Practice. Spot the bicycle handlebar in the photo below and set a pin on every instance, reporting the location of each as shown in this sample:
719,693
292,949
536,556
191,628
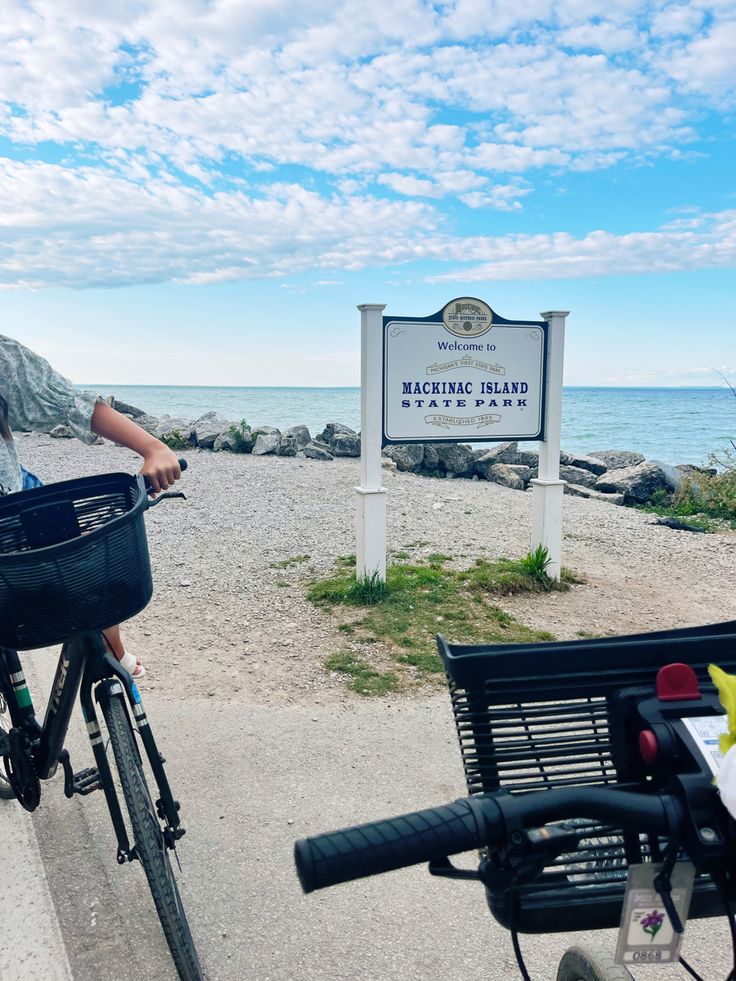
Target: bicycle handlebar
467,824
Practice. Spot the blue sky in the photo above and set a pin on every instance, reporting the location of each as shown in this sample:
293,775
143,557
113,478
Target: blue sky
201,192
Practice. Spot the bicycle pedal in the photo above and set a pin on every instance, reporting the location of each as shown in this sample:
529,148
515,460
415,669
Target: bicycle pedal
86,781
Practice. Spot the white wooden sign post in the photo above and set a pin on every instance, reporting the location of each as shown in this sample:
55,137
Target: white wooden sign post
548,488
370,549
464,374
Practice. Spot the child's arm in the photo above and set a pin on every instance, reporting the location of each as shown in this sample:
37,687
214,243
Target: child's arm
160,466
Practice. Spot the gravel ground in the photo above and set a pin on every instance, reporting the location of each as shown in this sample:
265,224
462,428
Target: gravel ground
228,621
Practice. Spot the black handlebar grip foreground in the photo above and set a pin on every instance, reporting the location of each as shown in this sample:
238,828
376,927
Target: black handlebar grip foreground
382,846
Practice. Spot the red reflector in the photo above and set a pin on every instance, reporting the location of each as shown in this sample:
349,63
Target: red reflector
648,747
677,682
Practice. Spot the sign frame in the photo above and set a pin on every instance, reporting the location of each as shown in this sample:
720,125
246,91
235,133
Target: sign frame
436,320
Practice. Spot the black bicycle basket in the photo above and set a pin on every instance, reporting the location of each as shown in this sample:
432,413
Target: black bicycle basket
532,717
73,558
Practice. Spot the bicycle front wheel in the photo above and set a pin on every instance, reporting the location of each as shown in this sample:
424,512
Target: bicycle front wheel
586,963
6,791
149,842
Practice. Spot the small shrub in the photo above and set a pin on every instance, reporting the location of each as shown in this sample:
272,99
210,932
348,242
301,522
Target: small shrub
175,440
535,564
242,443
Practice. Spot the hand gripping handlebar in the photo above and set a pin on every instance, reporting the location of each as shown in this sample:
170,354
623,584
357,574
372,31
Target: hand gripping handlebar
470,823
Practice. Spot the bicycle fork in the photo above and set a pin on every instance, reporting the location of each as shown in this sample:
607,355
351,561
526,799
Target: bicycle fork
167,808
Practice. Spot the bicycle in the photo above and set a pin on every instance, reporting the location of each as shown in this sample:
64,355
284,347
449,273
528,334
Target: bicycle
74,560
596,772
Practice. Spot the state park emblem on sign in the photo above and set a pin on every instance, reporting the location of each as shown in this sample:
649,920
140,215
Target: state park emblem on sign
467,317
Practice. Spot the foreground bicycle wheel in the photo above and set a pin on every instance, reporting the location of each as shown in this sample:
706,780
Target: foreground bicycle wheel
591,963
6,791
149,843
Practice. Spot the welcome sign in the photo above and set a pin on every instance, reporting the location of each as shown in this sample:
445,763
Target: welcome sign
463,374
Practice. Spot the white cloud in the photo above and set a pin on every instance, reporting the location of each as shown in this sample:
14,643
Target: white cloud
94,228
188,118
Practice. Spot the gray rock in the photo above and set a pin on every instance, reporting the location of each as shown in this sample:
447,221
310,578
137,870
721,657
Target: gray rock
528,458
288,446
455,458
149,423
637,483
500,453
125,408
501,473
689,470
208,427
225,441
317,451
672,475
431,461
526,473
301,434
265,431
173,424
61,432
406,456
266,443
576,475
345,444
331,430
616,459
577,490
583,462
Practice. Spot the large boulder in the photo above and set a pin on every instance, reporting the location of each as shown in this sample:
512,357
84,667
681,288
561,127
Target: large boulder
208,427
301,435
672,475
169,426
455,458
331,430
638,484
226,441
288,445
616,459
501,473
345,444
406,456
577,490
583,462
577,475
265,431
317,451
266,443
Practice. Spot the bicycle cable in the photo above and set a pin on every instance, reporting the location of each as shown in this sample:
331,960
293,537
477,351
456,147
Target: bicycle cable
525,976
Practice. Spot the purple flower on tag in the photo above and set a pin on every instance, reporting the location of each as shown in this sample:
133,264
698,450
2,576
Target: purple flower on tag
651,923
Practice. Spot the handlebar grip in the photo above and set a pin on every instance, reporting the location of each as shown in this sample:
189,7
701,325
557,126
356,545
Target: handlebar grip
382,846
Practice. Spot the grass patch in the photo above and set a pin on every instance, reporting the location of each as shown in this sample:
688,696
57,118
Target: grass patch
419,600
363,678
286,563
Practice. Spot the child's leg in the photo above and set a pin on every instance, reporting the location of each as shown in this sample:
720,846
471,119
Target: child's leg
115,645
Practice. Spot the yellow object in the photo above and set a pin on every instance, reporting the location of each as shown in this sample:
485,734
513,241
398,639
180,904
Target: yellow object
726,685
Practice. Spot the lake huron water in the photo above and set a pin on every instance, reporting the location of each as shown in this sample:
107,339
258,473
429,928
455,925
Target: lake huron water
678,425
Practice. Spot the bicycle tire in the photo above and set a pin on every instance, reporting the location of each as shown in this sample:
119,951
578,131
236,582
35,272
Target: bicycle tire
149,843
6,791
591,963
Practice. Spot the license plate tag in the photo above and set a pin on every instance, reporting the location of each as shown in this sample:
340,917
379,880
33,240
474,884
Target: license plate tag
646,935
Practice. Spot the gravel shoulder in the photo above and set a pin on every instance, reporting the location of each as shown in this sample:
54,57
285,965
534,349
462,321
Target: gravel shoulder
231,622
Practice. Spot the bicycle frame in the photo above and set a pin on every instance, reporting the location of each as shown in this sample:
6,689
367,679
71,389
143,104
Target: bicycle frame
85,668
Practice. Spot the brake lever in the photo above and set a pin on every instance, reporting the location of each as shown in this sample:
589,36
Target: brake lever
164,496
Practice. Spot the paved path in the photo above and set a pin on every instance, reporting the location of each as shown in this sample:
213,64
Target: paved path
251,780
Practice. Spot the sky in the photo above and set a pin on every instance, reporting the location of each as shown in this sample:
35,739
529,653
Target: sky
198,192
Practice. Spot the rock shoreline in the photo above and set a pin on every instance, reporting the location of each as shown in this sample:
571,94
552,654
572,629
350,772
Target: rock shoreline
616,476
